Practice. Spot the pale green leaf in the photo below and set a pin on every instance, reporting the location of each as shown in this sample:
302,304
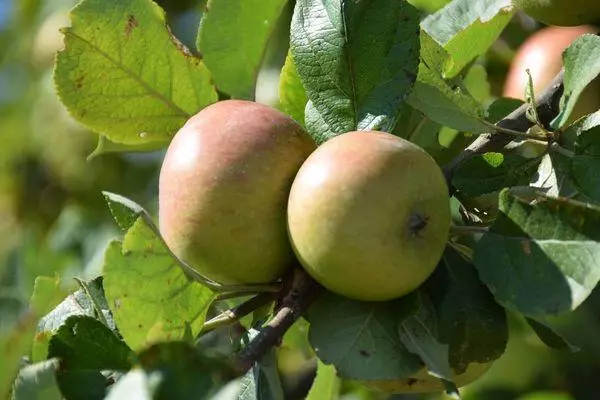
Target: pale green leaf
292,96
326,385
233,37
123,75
150,296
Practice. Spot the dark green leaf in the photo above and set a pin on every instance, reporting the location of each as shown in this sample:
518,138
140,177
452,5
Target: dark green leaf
549,336
123,74
467,28
262,382
582,65
357,62
541,258
86,348
233,37
361,339
501,107
469,319
175,370
586,163
491,172
124,211
419,334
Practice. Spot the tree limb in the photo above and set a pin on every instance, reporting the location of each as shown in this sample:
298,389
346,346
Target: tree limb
296,301
547,106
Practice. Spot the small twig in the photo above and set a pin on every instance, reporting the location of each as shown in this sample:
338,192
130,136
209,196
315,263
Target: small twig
235,314
303,292
462,230
561,150
547,107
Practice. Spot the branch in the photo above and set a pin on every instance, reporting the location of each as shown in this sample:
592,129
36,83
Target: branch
235,314
547,106
302,293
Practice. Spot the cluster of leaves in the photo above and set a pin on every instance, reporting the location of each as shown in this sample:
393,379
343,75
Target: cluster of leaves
351,66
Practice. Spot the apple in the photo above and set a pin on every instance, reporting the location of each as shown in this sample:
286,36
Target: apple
369,215
561,12
223,191
422,382
541,53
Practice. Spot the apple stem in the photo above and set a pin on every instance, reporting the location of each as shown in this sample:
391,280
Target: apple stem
228,317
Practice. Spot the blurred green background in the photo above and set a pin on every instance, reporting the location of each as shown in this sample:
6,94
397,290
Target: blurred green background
53,220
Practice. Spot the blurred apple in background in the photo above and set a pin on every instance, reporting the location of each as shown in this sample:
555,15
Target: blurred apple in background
541,53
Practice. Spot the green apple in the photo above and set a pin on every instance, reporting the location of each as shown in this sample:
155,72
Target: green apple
368,215
422,382
223,191
561,12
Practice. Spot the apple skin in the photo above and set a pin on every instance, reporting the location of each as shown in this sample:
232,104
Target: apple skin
542,54
561,12
223,191
422,382
369,215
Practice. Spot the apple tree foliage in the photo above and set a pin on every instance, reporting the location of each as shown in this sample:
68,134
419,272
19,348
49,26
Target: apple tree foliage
141,328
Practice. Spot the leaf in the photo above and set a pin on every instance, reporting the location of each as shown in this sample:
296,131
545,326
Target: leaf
233,37
134,385
87,349
586,162
37,381
292,96
466,29
105,146
150,296
549,336
469,320
175,370
326,385
554,177
582,65
418,332
454,108
124,211
262,381
357,61
360,339
123,74
490,172
543,258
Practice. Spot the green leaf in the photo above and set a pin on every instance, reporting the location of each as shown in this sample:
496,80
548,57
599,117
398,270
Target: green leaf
262,381
233,37
360,339
106,146
326,385
419,333
125,212
86,348
37,381
175,370
476,82
123,75
450,107
466,29
586,162
543,258
357,61
490,172
582,65
148,293
469,320
292,96
549,336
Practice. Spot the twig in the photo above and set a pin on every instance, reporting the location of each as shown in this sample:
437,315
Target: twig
235,314
547,107
302,293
